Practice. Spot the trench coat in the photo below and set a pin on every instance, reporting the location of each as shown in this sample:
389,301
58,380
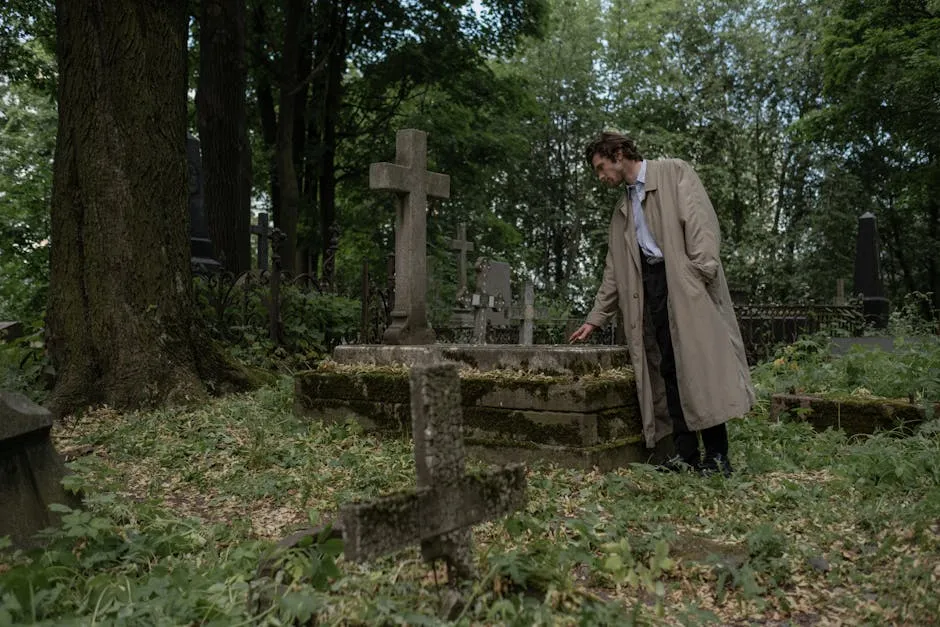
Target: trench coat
714,379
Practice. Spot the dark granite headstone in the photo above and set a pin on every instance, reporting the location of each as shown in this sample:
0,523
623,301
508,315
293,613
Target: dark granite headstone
30,470
868,272
201,256
10,330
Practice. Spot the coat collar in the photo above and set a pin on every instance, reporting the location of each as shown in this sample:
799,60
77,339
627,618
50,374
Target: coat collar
652,175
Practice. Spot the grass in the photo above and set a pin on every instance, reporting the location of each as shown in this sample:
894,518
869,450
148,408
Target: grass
814,528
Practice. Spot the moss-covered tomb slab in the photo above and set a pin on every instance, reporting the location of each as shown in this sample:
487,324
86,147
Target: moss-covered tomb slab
851,414
573,420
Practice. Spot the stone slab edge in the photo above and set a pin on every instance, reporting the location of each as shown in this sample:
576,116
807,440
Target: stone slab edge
546,359
19,416
581,395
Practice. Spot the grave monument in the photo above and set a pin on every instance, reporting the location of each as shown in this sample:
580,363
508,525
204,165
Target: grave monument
31,471
202,258
868,282
574,405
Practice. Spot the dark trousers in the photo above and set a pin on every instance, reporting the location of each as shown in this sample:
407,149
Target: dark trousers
714,439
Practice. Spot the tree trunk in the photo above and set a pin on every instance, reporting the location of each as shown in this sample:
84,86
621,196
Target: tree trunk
266,110
226,155
120,325
331,107
286,172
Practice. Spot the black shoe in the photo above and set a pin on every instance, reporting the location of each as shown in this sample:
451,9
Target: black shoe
677,464
716,464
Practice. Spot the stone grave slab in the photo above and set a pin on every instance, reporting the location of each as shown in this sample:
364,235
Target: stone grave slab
854,415
575,406
30,470
841,345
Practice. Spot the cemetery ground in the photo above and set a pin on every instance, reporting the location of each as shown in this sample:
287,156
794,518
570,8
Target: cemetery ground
182,505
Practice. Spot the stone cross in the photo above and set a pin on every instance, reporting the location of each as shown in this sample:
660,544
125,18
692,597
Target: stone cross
483,302
31,471
462,246
413,184
440,513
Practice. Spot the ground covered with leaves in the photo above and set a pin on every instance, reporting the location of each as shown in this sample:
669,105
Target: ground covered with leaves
181,506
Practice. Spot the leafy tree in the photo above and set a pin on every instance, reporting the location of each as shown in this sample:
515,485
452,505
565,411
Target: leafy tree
882,71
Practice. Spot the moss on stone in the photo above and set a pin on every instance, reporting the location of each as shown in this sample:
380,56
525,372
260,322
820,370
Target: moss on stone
516,426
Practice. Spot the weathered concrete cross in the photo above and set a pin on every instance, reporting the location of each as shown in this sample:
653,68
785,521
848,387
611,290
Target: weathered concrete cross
462,246
409,178
440,513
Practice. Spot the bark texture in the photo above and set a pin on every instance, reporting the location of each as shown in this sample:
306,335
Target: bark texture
120,324
221,108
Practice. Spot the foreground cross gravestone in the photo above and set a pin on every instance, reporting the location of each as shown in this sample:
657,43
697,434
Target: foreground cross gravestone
30,470
447,502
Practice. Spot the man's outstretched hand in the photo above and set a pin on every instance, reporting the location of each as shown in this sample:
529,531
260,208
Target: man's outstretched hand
583,333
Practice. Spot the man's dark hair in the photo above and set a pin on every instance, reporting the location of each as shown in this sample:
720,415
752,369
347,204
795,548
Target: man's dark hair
608,144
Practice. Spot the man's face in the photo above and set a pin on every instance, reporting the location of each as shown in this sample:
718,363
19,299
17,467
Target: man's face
611,173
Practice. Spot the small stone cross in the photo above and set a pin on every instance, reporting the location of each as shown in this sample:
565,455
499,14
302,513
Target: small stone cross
462,246
440,513
482,302
413,184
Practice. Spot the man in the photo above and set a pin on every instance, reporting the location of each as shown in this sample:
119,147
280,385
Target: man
664,273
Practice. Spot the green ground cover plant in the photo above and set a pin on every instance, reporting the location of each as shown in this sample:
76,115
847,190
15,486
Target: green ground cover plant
182,505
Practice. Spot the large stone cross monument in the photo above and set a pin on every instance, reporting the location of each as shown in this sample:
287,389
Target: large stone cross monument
409,178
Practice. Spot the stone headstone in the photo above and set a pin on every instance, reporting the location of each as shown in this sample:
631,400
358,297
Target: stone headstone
482,302
31,471
497,280
10,330
842,345
409,178
201,255
868,282
440,513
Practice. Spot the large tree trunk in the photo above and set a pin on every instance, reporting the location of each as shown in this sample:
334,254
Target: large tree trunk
286,172
120,320
226,155
333,100
266,109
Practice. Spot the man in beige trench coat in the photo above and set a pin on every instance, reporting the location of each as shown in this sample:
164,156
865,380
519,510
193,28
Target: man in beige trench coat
664,273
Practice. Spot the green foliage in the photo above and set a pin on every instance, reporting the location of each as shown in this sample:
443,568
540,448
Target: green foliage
312,323
27,142
911,371
25,366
